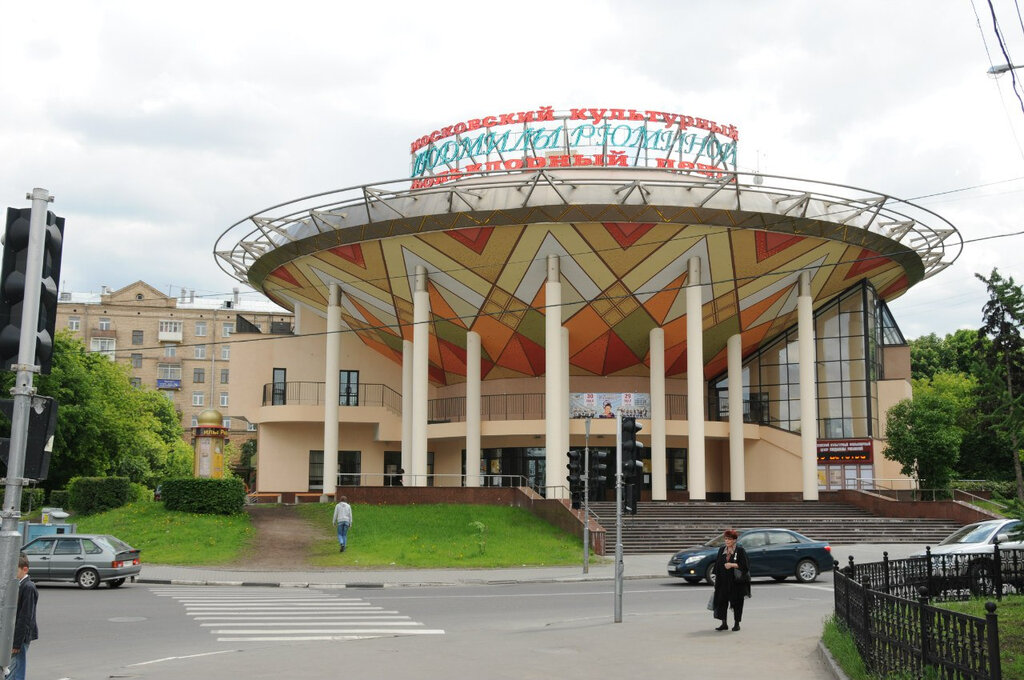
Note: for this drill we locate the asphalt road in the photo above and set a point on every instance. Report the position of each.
(521, 631)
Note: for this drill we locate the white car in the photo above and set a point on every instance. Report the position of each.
(980, 537)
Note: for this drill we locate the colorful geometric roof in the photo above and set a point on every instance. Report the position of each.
(619, 280)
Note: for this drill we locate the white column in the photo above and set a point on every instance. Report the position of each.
(695, 381)
(564, 401)
(472, 408)
(659, 471)
(420, 376)
(553, 455)
(737, 471)
(407, 405)
(808, 394)
(332, 385)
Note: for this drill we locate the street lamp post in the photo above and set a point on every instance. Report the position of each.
(1003, 68)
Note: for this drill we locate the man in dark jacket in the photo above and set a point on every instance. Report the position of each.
(25, 630)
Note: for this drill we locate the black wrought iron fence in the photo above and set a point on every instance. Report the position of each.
(899, 635)
(946, 577)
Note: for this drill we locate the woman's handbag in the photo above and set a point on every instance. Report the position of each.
(711, 603)
(737, 574)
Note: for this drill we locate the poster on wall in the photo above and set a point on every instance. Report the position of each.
(608, 404)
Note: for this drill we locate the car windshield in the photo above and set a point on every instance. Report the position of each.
(973, 533)
(716, 542)
(115, 543)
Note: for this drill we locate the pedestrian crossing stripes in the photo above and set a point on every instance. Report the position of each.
(248, 614)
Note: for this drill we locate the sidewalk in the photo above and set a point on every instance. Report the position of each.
(634, 567)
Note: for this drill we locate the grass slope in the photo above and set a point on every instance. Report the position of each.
(426, 536)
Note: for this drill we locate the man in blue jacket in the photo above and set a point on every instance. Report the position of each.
(25, 630)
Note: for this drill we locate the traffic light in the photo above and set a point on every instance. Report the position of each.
(596, 474)
(13, 286)
(632, 464)
(575, 478)
(42, 423)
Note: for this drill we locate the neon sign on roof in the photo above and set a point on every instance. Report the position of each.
(545, 138)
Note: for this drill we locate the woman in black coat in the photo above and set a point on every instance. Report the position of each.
(732, 581)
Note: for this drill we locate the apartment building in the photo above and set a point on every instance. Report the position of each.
(178, 345)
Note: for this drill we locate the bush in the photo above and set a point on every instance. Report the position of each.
(140, 493)
(31, 498)
(204, 496)
(88, 495)
(59, 498)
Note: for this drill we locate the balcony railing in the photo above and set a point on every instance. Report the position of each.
(312, 394)
(528, 406)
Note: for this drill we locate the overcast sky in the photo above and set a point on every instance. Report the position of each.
(158, 125)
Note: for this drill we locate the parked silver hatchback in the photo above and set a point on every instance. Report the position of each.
(85, 559)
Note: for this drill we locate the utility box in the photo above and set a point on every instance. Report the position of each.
(54, 516)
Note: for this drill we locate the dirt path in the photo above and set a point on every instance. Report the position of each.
(283, 538)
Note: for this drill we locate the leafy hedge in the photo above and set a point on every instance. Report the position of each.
(59, 498)
(204, 496)
(31, 498)
(88, 495)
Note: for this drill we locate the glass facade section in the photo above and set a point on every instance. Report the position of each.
(850, 332)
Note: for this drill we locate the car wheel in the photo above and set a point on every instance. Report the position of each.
(692, 580)
(88, 578)
(116, 583)
(780, 579)
(710, 574)
(806, 571)
(980, 579)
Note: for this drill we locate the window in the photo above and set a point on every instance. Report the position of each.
(223, 376)
(104, 346)
(250, 427)
(136, 382)
(168, 371)
(136, 337)
(280, 384)
(68, 546)
(90, 547)
(170, 327)
(198, 375)
(74, 323)
(200, 329)
(40, 547)
(227, 329)
(199, 351)
(225, 423)
(348, 388)
(170, 350)
(198, 398)
(225, 352)
(136, 360)
(348, 462)
(104, 323)
(223, 398)
(195, 421)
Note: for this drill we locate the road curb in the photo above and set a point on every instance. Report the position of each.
(830, 662)
(376, 584)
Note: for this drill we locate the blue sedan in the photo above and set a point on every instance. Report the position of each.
(778, 553)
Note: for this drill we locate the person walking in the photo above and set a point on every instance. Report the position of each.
(732, 581)
(25, 629)
(342, 520)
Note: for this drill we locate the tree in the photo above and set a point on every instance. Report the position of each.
(105, 426)
(956, 353)
(1002, 374)
(924, 436)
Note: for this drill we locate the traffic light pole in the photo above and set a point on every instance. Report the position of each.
(10, 538)
(586, 498)
(618, 518)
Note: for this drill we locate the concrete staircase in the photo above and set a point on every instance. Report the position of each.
(668, 527)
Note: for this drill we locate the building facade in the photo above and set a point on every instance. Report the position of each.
(477, 319)
(180, 346)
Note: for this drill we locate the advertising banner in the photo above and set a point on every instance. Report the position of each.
(608, 404)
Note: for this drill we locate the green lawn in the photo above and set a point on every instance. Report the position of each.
(166, 537)
(466, 536)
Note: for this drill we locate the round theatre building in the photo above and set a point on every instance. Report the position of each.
(541, 272)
